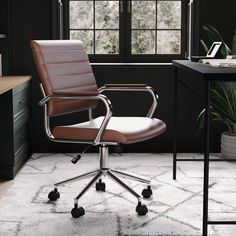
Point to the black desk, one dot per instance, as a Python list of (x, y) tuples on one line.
[(207, 74)]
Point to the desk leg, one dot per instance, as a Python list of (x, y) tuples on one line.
[(175, 123), (206, 158)]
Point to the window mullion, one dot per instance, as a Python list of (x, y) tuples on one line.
[(123, 40), (156, 29), (94, 27), (128, 29)]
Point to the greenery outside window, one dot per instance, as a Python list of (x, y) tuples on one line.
[(128, 30)]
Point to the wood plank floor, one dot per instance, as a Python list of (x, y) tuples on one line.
[(4, 186)]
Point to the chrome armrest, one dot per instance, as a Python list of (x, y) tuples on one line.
[(134, 87), (100, 97)]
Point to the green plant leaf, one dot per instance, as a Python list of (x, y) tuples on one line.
[(220, 120), (206, 49), (222, 96), (227, 98), (200, 121), (233, 99), (213, 33), (220, 100), (234, 43)]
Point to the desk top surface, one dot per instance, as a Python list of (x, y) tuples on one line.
[(9, 82), (207, 72)]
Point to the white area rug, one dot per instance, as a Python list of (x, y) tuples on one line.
[(174, 209)]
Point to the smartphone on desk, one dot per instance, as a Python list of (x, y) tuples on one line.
[(215, 47)]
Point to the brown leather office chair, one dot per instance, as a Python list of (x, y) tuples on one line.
[(68, 85)]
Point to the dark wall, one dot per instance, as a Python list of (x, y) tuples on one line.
[(221, 15), (32, 20)]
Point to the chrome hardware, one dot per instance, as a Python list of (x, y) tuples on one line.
[(148, 89), (90, 114), (47, 128), (104, 170), (133, 177), (83, 176), (103, 151), (100, 97)]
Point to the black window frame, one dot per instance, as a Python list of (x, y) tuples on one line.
[(125, 38)]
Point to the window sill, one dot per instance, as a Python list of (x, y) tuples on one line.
[(129, 64)]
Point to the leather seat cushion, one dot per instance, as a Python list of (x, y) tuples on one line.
[(119, 129)]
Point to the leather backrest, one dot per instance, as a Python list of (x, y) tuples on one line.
[(64, 65)]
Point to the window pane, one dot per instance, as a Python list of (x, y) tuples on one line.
[(81, 14), (155, 26), (143, 42), (168, 42), (143, 14), (107, 15), (169, 14), (107, 42), (86, 36)]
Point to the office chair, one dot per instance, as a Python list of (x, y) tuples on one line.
[(68, 85)]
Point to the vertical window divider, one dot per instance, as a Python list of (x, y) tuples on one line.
[(156, 29), (127, 32), (121, 6), (61, 28), (94, 27), (128, 6)]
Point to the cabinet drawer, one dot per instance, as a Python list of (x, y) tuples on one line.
[(21, 134), (20, 98)]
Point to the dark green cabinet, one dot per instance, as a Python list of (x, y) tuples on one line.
[(14, 127)]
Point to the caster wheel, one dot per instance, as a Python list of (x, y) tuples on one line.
[(77, 212), (54, 195), (147, 192), (141, 209), (100, 186)]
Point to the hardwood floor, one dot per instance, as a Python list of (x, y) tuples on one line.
[(4, 186)]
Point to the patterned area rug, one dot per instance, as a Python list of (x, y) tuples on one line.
[(174, 209)]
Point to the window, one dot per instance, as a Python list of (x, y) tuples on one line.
[(96, 23), (125, 30)]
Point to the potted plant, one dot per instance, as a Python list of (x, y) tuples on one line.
[(224, 97)]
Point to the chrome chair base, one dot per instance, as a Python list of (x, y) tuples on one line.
[(104, 171)]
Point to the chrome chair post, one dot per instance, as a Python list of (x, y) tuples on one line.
[(103, 152)]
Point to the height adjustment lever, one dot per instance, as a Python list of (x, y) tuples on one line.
[(77, 158)]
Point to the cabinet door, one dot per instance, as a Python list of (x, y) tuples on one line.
[(20, 98), (14, 126), (21, 134)]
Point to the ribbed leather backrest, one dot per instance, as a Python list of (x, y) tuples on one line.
[(64, 65)]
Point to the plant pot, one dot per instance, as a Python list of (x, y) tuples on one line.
[(228, 145)]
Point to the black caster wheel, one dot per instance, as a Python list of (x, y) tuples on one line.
[(147, 192), (141, 209), (76, 212), (54, 195), (100, 186)]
